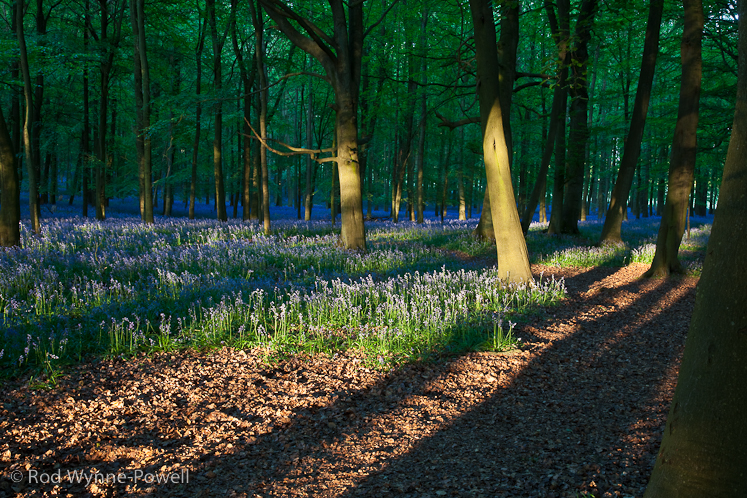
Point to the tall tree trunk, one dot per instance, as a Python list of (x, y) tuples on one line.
[(561, 31), (220, 190), (10, 207), (513, 260), (343, 70), (247, 78), (310, 163), (507, 49), (202, 28), (611, 232), (405, 157), (32, 164), (142, 103), (703, 451), (578, 134), (682, 164), (560, 96)]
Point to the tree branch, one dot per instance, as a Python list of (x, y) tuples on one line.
[(371, 27), (456, 124)]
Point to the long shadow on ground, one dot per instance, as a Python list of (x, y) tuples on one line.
[(582, 411)]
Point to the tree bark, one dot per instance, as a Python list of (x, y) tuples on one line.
[(611, 232), (682, 164), (508, 45), (703, 451), (10, 208), (513, 260)]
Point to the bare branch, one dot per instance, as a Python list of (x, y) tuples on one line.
[(456, 124), (371, 27), (294, 150)]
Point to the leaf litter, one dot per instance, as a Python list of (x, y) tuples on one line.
[(578, 410)]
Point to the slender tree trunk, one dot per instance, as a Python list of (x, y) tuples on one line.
[(310, 163), (682, 164), (198, 126), (220, 190), (560, 96), (259, 51), (513, 260), (142, 103), (703, 451), (421, 138), (611, 232), (31, 161)]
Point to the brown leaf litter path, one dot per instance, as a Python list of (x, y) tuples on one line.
[(579, 409)]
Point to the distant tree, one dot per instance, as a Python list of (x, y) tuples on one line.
[(611, 232), (704, 449)]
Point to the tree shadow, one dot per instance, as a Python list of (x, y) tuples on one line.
[(554, 428)]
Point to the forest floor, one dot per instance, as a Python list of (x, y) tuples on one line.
[(579, 409)]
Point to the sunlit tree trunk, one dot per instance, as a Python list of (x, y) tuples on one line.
[(682, 163), (513, 260), (507, 49), (343, 71), (611, 232), (704, 449)]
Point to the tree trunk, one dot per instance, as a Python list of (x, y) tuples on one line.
[(220, 190), (513, 260), (703, 451), (611, 232), (578, 134), (507, 49), (142, 103), (560, 96), (420, 204), (198, 114), (10, 207), (561, 30), (684, 147), (32, 164), (310, 164), (353, 234)]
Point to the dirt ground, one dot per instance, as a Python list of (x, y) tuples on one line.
[(580, 409)]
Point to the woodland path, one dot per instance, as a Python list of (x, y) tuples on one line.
[(580, 408)]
